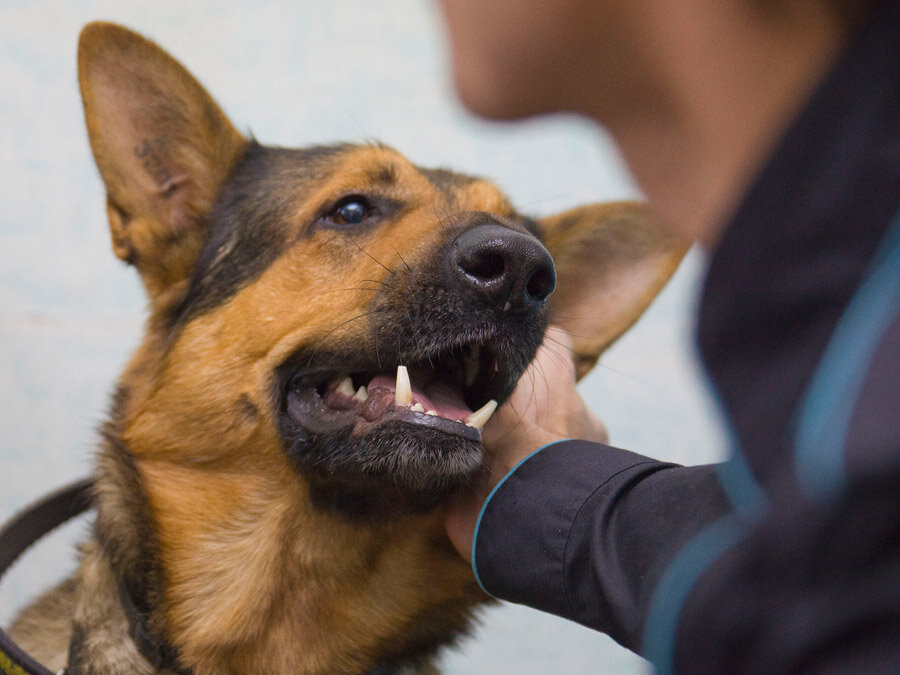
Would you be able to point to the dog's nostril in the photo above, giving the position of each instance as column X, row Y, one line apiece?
column 540, row 285
column 484, row 265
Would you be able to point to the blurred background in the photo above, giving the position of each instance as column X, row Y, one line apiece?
column 292, row 73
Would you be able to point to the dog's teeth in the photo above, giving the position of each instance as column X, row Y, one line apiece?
column 346, row 387
column 418, row 407
column 361, row 395
column 403, row 394
column 433, row 413
column 480, row 417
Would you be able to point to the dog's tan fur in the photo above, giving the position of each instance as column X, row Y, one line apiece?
column 246, row 574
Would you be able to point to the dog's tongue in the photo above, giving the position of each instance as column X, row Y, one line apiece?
column 433, row 394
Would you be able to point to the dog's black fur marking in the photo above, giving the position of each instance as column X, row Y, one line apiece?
column 133, row 551
column 447, row 182
column 247, row 230
column 386, row 174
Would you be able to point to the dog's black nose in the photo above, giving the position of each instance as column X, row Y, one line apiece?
column 510, row 269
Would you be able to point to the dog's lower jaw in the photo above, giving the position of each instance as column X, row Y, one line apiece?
column 392, row 470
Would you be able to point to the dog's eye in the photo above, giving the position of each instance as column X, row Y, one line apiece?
column 351, row 211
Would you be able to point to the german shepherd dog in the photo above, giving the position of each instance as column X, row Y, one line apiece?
column 329, row 328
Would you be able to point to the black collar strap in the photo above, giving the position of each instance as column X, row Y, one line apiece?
column 21, row 532
column 16, row 536
column 160, row 654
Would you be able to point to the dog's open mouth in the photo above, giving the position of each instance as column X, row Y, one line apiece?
column 455, row 393
column 400, row 429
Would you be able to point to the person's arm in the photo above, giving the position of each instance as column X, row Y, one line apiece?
column 575, row 527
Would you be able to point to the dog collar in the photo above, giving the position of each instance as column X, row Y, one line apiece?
column 17, row 536
column 20, row 533
column 160, row 653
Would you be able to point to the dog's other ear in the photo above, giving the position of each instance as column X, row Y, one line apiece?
column 163, row 148
column 611, row 261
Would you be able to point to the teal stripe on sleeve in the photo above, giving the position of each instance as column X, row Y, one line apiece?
column 827, row 409
column 678, row 581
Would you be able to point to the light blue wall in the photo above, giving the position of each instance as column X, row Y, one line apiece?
column 294, row 73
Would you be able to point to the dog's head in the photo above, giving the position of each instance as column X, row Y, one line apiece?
column 292, row 291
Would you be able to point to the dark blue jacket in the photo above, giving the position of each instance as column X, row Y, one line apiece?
column 787, row 557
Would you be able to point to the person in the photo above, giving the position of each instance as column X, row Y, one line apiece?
column 768, row 131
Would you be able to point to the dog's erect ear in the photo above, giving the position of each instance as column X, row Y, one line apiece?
column 611, row 261
column 163, row 148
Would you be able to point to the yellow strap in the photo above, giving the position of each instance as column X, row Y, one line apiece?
column 10, row 667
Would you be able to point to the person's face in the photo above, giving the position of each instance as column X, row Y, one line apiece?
column 513, row 58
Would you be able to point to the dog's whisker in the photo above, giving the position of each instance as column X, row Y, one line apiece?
column 341, row 325
column 560, row 344
column 560, row 352
column 375, row 344
column 561, row 323
column 371, row 257
column 379, row 281
column 399, row 255
column 348, row 289
column 443, row 221
column 543, row 200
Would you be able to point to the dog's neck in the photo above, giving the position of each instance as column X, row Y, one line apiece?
column 266, row 580
column 162, row 655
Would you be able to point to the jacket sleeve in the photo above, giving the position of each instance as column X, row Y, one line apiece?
column 584, row 531
column 654, row 555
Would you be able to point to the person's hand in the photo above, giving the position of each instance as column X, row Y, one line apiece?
column 544, row 407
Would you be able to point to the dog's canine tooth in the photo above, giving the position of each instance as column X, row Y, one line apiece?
column 418, row 407
column 433, row 413
column 403, row 394
column 361, row 395
column 346, row 387
column 480, row 417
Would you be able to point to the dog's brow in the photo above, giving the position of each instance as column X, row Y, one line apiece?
column 447, row 182
column 383, row 174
